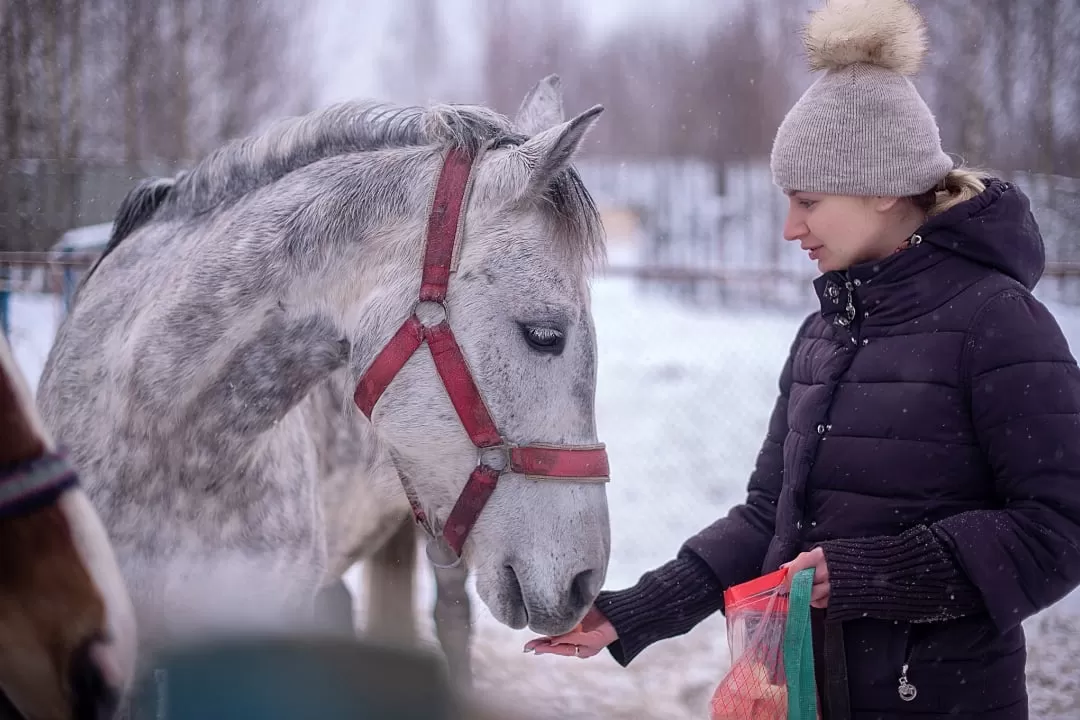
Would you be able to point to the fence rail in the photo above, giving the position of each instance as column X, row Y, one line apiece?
column 786, row 288
column 41, row 259
column 751, row 275
column 50, row 273
column 27, row 266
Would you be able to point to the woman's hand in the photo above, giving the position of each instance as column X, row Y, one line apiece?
column 590, row 637
column 819, row 595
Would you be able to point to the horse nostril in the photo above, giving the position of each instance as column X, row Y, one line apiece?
column 92, row 696
column 583, row 589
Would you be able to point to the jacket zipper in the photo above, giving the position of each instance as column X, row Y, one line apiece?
column 905, row 689
column 846, row 319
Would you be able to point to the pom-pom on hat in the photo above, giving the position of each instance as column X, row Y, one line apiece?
column 861, row 128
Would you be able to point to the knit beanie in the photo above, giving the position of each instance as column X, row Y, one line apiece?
column 861, row 128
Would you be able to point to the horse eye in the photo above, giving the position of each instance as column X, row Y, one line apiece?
column 543, row 339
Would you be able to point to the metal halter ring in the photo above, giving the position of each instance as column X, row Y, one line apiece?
column 431, row 312
column 496, row 457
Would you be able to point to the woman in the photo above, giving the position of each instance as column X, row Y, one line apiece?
column 924, row 451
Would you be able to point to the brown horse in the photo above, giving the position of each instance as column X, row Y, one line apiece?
column 67, row 630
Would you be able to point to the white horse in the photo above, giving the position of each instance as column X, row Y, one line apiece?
column 203, row 378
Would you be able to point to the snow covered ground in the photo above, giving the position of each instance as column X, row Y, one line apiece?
column 683, row 401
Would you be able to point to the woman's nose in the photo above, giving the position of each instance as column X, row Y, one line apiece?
column 793, row 227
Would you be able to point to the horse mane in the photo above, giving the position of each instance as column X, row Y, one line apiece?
column 242, row 166
column 136, row 209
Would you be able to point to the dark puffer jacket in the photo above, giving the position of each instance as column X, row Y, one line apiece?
column 927, row 437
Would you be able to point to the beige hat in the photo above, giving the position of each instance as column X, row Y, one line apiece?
column 862, row 128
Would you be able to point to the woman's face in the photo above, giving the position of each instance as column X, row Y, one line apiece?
column 839, row 231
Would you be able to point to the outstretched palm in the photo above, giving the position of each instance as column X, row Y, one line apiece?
column 592, row 635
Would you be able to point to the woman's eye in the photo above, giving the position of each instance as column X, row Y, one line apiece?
column 807, row 203
column 544, row 339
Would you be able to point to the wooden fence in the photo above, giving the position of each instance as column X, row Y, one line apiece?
column 712, row 236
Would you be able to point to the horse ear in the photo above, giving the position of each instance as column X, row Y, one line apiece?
column 542, row 107
column 545, row 155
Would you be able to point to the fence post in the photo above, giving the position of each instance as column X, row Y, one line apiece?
column 5, row 302
column 68, row 288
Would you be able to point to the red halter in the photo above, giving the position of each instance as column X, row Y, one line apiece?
column 497, row 456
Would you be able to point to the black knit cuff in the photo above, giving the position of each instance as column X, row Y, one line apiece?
column 665, row 603
column 908, row 578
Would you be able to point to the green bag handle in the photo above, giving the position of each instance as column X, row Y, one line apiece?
column 799, row 650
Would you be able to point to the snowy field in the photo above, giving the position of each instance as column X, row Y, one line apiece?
column 683, row 403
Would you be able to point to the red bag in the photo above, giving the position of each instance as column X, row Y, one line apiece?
column 755, row 687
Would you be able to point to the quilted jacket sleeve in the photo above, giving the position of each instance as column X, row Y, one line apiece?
column 1025, row 401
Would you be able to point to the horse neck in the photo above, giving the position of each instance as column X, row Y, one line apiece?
column 284, row 307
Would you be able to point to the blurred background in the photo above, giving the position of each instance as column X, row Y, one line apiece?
column 701, row 297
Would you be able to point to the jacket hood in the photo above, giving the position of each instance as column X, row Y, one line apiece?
column 996, row 228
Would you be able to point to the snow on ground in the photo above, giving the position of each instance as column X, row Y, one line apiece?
column 34, row 319
column 683, row 401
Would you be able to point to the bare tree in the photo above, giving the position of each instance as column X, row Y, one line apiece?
column 95, row 91
column 1045, row 27
column 181, row 47
column 136, row 28
column 11, row 80
column 74, row 110
column 715, row 99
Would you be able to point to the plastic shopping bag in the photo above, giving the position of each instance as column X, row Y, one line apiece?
column 772, row 661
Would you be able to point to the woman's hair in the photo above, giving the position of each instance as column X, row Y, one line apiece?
column 958, row 185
